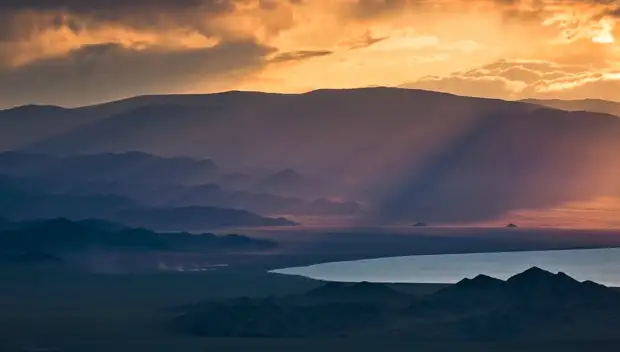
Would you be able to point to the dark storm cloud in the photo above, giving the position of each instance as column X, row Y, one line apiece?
column 119, row 6
column 92, row 62
column 511, row 8
column 23, row 19
column 98, row 73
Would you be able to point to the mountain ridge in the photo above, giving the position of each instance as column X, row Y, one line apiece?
column 411, row 154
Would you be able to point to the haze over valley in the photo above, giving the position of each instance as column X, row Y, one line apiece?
column 309, row 175
column 393, row 155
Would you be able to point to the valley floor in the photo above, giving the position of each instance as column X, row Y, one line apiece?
column 76, row 312
column 55, row 307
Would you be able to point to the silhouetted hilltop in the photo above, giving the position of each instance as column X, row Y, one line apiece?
column 476, row 285
column 535, row 285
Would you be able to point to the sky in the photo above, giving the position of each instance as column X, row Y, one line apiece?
column 80, row 52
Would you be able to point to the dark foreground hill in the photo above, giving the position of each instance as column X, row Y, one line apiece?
column 533, row 305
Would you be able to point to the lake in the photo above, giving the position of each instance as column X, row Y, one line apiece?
column 599, row 265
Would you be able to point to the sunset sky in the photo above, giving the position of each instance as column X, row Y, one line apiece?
column 77, row 52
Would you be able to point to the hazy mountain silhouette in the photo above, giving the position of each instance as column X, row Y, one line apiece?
column 593, row 105
column 194, row 218
column 62, row 236
column 411, row 154
column 135, row 176
column 263, row 203
column 24, row 200
column 533, row 305
column 289, row 182
column 128, row 167
column 24, row 125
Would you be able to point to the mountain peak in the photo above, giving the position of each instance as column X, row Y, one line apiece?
column 533, row 273
column 536, row 281
column 479, row 282
column 535, row 270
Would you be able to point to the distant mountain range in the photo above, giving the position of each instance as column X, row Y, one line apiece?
column 126, row 167
column 44, row 239
column 194, row 218
column 592, row 105
column 163, row 182
column 533, row 305
column 20, row 202
column 408, row 154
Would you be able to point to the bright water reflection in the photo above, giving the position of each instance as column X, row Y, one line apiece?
column 599, row 265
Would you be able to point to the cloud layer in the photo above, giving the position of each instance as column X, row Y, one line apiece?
column 528, row 79
column 84, row 48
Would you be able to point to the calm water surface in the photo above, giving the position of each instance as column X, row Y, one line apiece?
column 599, row 265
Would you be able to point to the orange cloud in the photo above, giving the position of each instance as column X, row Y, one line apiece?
column 326, row 43
column 522, row 79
